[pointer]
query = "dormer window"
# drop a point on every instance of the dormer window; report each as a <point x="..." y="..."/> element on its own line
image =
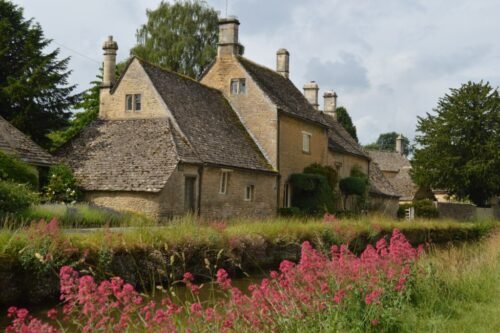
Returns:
<point x="238" y="86"/>
<point x="133" y="102"/>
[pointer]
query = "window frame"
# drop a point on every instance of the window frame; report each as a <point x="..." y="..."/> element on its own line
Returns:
<point x="224" y="181"/>
<point x="286" y="196"/>
<point x="306" y="149"/>
<point x="135" y="101"/>
<point x="249" y="193"/>
<point x="136" y="109"/>
<point x="238" y="86"/>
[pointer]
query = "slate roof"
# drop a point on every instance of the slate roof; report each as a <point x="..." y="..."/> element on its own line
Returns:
<point x="379" y="185"/>
<point x="404" y="185"/>
<point x="209" y="123"/>
<point x="388" y="160"/>
<point x="340" y="140"/>
<point x="123" y="155"/>
<point x="282" y="92"/>
<point x="15" y="142"/>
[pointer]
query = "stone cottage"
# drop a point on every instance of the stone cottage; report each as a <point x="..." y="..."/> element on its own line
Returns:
<point x="13" y="141"/>
<point x="167" y="145"/>
<point x="286" y="124"/>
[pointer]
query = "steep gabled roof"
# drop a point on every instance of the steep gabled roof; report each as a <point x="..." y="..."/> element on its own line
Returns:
<point x="388" y="160"/>
<point x="341" y="141"/>
<point x="282" y="92"/>
<point x="207" y="120"/>
<point x="15" y="142"/>
<point x="123" y="155"/>
<point x="379" y="185"/>
<point x="404" y="185"/>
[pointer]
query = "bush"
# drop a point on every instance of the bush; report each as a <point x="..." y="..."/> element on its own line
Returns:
<point x="15" y="197"/>
<point x="327" y="171"/>
<point x="423" y="209"/>
<point x="352" y="186"/>
<point x="14" y="170"/>
<point x="62" y="186"/>
<point x="311" y="193"/>
<point x="290" y="212"/>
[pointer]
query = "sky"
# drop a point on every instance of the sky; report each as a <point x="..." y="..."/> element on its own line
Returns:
<point x="388" y="60"/>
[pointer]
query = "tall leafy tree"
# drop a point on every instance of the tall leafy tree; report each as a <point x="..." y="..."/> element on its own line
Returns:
<point x="34" y="92"/>
<point x="181" y="36"/>
<point x="459" y="145"/>
<point x="387" y="142"/>
<point x="345" y="120"/>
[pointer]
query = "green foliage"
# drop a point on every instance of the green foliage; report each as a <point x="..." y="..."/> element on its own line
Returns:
<point x="181" y="36"/>
<point x="423" y="209"/>
<point x="387" y="142"/>
<point x="459" y="144"/>
<point x="290" y="212"/>
<point x="345" y="120"/>
<point x="15" y="197"/>
<point x="327" y="171"/>
<point x="34" y="92"/>
<point x="62" y="186"/>
<point x="311" y="193"/>
<point x="12" y="169"/>
<point x="352" y="186"/>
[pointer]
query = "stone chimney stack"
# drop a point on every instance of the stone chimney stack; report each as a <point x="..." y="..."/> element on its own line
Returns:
<point x="330" y="103"/>
<point x="399" y="144"/>
<point x="283" y="63"/>
<point x="311" y="93"/>
<point x="109" y="65"/>
<point x="228" y="37"/>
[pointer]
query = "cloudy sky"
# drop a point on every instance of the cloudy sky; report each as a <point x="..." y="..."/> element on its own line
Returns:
<point x="388" y="60"/>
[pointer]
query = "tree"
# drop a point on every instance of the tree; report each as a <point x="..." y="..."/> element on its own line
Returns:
<point x="180" y="36"/>
<point x="89" y="106"/>
<point x="345" y="120"/>
<point x="387" y="142"/>
<point x="459" y="146"/>
<point x="34" y="92"/>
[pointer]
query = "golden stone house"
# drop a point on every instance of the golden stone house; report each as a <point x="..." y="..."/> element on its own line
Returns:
<point x="166" y="145"/>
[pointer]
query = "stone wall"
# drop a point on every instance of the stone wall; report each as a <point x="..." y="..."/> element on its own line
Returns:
<point x="255" y="109"/>
<point x="291" y="157"/>
<point x="383" y="205"/>
<point x="456" y="211"/>
<point x="343" y="163"/>
<point x="232" y="203"/>
<point x="135" y="81"/>
<point x="141" y="202"/>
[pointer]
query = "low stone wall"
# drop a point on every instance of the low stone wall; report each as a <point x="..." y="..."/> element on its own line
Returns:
<point x="456" y="211"/>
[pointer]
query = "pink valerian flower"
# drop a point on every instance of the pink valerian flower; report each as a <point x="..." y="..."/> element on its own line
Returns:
<point x="329" y="218"/>
<point x="373" y="297"/>
<point x="223" y="279"/>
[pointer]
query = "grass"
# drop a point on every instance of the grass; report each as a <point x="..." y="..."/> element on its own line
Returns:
<point x="459" y="290"/>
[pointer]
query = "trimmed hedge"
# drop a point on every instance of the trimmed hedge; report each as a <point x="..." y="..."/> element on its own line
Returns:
<point x="311" y="193"/>
<point x="423" y="208"/>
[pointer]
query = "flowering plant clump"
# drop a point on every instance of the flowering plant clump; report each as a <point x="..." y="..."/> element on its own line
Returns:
<point x="335" y="292"/>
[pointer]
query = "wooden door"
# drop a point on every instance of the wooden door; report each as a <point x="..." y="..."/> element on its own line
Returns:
<point x="190" y="194"/>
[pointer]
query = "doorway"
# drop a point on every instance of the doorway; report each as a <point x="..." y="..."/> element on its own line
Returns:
<point x="190" y="194"/>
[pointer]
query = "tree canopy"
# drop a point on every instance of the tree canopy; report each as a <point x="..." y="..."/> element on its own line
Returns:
<point x="387" y="142"/>
<point x="345" y="120"/>
<point x="181" y="36"/>
<point x="459" y="145"/>
<point x="34" y="92"/>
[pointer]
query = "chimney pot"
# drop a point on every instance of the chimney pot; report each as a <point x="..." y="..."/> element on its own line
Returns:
<point x="108" y="76"/>
<point x="399" y="144"/>
<point x="283" y="63"/>
<point x="311" y="90"/>
<point x="228" y="37"/>
<point x="330" y="103"/>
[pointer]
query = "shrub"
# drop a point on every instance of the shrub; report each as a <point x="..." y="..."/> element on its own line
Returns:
<point x="13" y="169"/>
<point x="290" y="212"/>
<point x="311" y="193"/>
<point x="15" y="197"/>
<point x="327" y="171"/>
<point x="423" y="208"/>
<point x="62" y="186"/>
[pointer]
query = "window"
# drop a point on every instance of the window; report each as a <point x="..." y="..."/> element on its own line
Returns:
<point x="128" y="103"/>
<point x="224" y="181"/>
<point x="306" y="142"/>
<point x="249" y="192"/>
<point x="238" y="86"/>
<point x="286" y="196"/>
<point x="137" y="101"/>
<point x="133" y="102"/>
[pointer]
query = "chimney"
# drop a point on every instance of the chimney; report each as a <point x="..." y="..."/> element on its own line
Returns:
<point x="108" y="76"/>
<point x="330" y="103"/>
<point x="283" y="63"/>
<point x="399" y="144"/>
<point x="228" y="37"/>
<point x="311" y="93"/>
